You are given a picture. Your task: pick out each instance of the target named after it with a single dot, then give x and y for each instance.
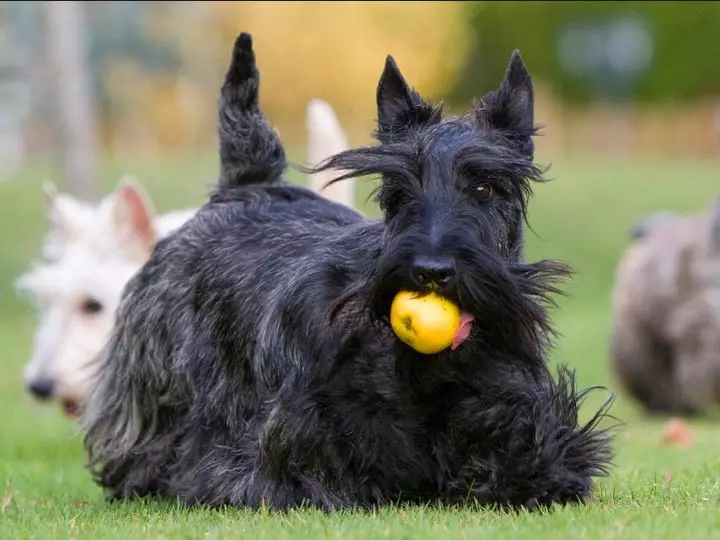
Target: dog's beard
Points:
(510, 300)
(504, 302)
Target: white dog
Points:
(91, 251)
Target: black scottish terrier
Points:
(252, 361)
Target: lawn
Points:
(582, 217)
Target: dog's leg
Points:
(526, 448)
(329, 445)
(697, 380)
(283, 461)
(644, 366)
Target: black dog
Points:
(252, 361)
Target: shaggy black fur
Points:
(251, 362)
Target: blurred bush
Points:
(684, 38)
(336, 50)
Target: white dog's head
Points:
(90, 252)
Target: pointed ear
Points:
(714, 226)
(400, 108)
(325, 139)
(325, 134)
(53, 210)
(511, 108)
(50, 192)
(62, 211)
(645, 225)
(134, 218)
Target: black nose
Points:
(433, 271)
(41, 388)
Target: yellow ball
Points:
(425, 322)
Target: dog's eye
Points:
(484, 192)
(90, 306)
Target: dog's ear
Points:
(62, 210)
(53, 210)
(645, 225)
(50, 192)
(326, 138)
(400, 108)
(714, 226)
(511, 106)
(134, 216)
(325, 134)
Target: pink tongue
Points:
(463, 331)
(71, 409)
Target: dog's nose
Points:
(41, 388)
(433, 271)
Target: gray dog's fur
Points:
(665, 342)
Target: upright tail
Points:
(326, 138)
(250, 150)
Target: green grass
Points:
(581, 217)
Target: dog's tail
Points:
(326, 138)
(642, 227)
(250, 149)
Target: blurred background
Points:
(628, 92)
(637, 78)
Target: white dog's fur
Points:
(91, 251)
(325, 138)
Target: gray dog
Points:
(665, 342)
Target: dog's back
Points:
(254, 218)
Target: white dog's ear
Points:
(53, 210)
(326, 138)
(50, 192)
(325, 134)
(713, 226)
(134, 218)
(62, 210)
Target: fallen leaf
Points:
(7, 500)
(677, 432)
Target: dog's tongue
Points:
(71, 409)
(463, 331)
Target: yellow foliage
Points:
(127, 90)
(331, 50)
(336, 51)
(154, 113)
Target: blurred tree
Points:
(132, 67)
(336, 51)
(684, 37)
(16, 100)
(67, 47)
(157, 66)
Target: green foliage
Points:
(685, 36)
